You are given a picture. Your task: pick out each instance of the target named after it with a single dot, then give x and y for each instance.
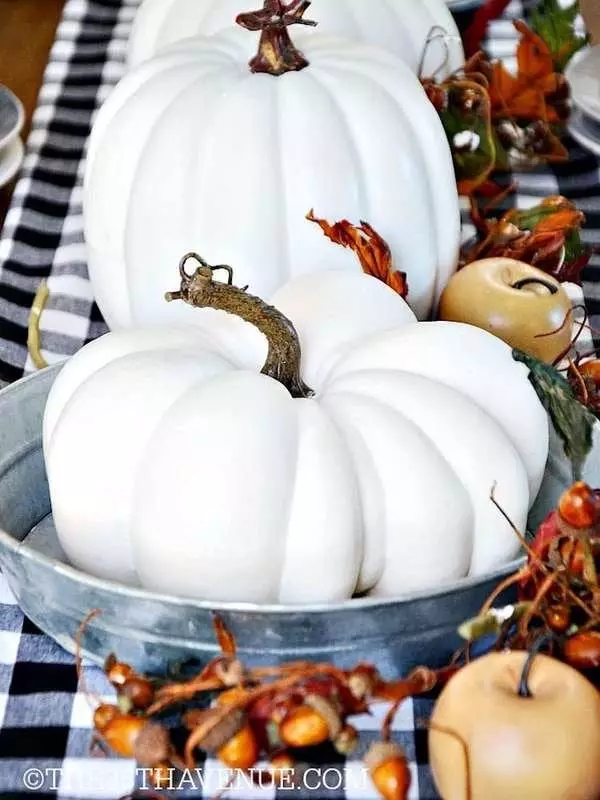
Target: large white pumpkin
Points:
(400, 26)
(173, 462)
(194, 152)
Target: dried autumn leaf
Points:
(497, 121)
(536, 92)
(547, 236)
(373, 252)
(573, 422)
(555, 24)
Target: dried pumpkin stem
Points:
(277, 53)
(201, 290)
(33, 331)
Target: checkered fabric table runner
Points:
(44, 718)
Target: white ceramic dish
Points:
(586, 131)
(12, 118)
(11, 158)
(583, 74)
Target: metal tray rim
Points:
(18, 548)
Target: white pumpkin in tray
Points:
(400, 26)
(327, 445)
(198, 149)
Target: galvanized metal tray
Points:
(150, 630)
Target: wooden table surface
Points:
(27, 29)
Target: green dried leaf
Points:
(574, 248)
(573, 422)
(527, 219)
(556, 26)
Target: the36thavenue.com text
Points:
(308, 779)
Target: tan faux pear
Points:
(518, 303)
(545, 746)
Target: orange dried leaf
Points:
(532, 93)
(534, 58)
(373, 252)
(560, 221)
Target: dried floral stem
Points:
(437, 728)
(549, 582)
(526, 571)
(421, 681)
(585, 395)
(502, 587)
(33, 328)
(436, 34)
(250, 697)
(79, 659)
(290, 674)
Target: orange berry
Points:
(389, 770)
(138, 690)
(559, 618)
(582, 651)
(241, 751)
(304, 727)
(104, 714)
(392, 779)
(578, 506)
(122, 732)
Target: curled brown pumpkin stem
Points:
(200, 290)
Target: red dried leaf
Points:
(477, 31)
(373, 252)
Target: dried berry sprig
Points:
(125, 732)
(264, 711)
(270, 711)
(559, 589)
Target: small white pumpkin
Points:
(192, 151)
(174, 462)
(400, 26)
